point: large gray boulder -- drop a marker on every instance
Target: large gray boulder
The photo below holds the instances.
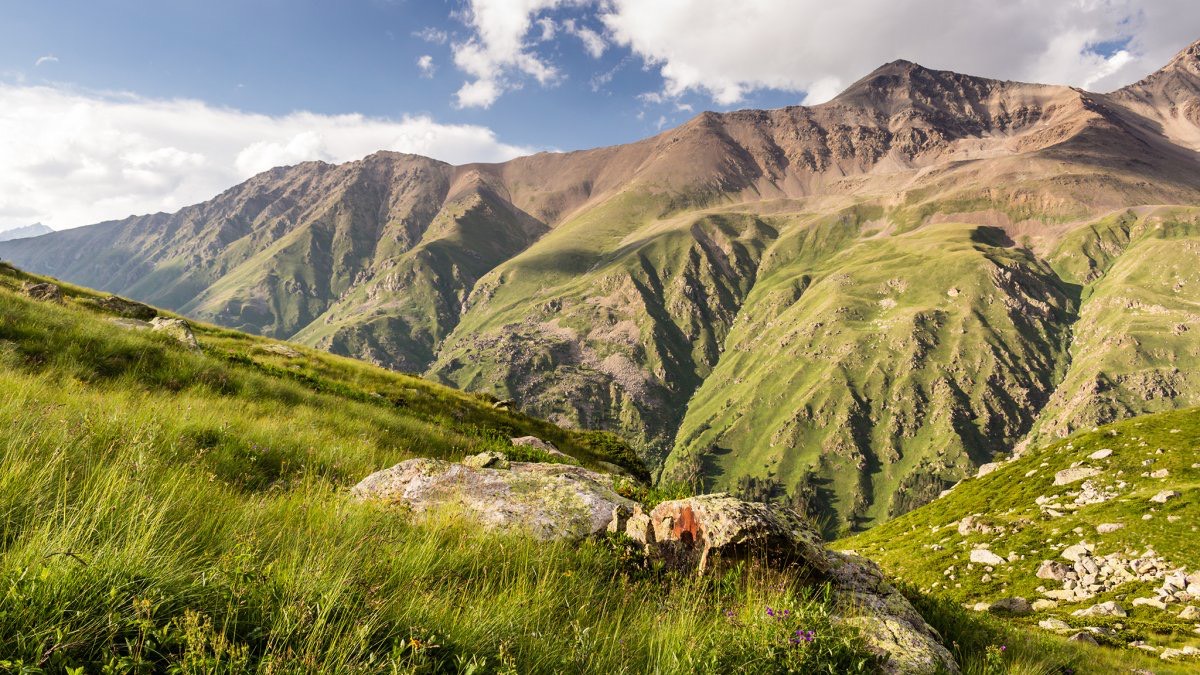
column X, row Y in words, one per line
column 708, row 531
column 176, row 328
column 549, row 501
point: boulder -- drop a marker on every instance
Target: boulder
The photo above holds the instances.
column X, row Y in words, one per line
column 696, row 532
column 890, row 625
column 982, row 556
column 985, row 469
column 46, row 292
column 1017, row 605
column 127, row 308
column 1149, row 602
column 1068, row 476
column 1084, row 637
column 549, row 501
column 709, row 531
column 1042, row 605
column 1189, row 613
column 1101, row 454
column 1162, row 497
column 538, row 444
column 176, row 328
column 487, row 460
column 1074, row 553
column 1108, row 528
column 1052, row 570
column 1109, row 608
column 1054, row 625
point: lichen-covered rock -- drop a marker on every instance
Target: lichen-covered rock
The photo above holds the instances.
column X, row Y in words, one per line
column 1015, row 605
column 889, row 623
column 549, row 501
column 46, row 292
column 696, row 532
column 176, row 328
column 701, row 531
column 127, row 308
column 487, row 460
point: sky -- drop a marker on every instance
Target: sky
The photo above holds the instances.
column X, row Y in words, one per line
column 110, row 108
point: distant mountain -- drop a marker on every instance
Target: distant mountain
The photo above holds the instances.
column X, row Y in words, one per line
column 849, row 306
column 35, row 230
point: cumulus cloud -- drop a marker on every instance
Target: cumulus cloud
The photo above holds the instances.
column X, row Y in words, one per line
column 70, row 158
column 425, row 65
column 500, row 50
column 592, row 41
column 726, row 49
column 49, row 58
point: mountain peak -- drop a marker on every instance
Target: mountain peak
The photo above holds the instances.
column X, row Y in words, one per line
column 1188, row 59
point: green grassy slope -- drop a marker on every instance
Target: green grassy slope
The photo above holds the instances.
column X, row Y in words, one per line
column 926, row 547
column 164, row 510
column 611, row 319
column 868, row 380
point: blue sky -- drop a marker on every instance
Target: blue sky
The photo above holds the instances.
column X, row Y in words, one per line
column 115, row 107
column 328, row 56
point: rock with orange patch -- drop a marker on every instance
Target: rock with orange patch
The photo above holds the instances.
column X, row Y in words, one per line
column 700, row 531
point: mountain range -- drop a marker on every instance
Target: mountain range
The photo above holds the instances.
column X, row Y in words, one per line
column 849, row 307
column 35, row 230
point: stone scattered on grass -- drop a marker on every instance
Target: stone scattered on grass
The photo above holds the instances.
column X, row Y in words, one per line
column 1074, row 475
column 1162, row 497
column 1108, row 528
column 982, row 556
column 1109, row 608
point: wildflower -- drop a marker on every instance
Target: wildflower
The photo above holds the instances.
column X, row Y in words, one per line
column 770, row 612
column 803, row 636
column 1003, row 648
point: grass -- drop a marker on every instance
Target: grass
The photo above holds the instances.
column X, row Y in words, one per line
column 920, row 546
column 170, row 511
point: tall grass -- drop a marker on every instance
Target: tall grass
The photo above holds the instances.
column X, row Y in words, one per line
column 169, row 511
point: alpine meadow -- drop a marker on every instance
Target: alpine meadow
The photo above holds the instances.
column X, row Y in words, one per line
column 906, row 381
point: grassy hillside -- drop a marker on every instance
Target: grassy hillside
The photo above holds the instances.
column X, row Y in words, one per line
column 167, row 510
column 1017, row 509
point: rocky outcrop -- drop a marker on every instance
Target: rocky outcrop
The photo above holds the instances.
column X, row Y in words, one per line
column 712, row 530
column 46, row 292
column 176, row 328
column 127, row 309
column 549, row 501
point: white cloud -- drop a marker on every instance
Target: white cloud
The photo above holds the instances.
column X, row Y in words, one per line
column 592, row 42
column 499, row 51
column 69, row 158
column 432, row 35
column 425, row 65
column 726, row 49
column 49, row 58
